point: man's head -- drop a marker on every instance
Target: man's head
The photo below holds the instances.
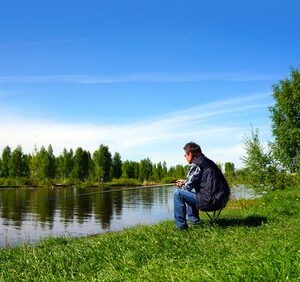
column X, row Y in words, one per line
column 192, row 151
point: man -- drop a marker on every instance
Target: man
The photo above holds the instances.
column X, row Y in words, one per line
column 205, row 188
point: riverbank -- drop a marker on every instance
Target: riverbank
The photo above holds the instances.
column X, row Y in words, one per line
column 13, row 183
column 29, row 183
column 254, row 240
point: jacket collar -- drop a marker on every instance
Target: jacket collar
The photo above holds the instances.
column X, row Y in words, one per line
column 198, row 160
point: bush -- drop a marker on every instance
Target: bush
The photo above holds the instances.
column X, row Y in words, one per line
column 126, row 181
column 168, row 179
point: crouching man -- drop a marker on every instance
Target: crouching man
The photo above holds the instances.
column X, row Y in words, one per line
column 204, row 189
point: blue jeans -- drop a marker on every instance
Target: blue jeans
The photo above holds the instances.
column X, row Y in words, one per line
column 185, row 203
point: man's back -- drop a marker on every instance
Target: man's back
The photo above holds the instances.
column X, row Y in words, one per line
column 213, row 192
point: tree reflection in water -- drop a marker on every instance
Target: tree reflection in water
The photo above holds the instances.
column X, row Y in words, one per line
column 35, row 213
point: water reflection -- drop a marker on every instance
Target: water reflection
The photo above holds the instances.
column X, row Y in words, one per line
column 243, row 192
column 27, row 215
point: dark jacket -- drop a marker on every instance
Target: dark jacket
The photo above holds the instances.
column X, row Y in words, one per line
column 213, row 192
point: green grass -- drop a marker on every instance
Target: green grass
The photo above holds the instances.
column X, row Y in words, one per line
column 254, row 240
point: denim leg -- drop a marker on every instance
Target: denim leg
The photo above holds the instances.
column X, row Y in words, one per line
column 181, row 199
column 193, row 214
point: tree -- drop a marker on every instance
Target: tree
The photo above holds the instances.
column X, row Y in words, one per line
column 128, row 170
column 159, row 171
column 171, row 172
column 50, row 163
column 286, row 121
column 43, row 164
column 6, row 155
column 256, row 159
column 145, row 169
column 229, row 170
column 18, row 165
column 82, row 163
column 102, row 161
column 116, row 166
column 34, row 164
column 179, row 172
column 65, row 164
column 164, row 170
column 136, row 169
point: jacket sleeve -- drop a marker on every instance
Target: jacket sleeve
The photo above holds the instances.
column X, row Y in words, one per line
column 193, row 178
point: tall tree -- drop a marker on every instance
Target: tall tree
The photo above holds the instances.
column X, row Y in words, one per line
column 164, row 170
column 145, row 169
column 286, row 121
column 50, row 163
column 116, row 166
column 18, row 166
column 179, row 171
column 6, row 155
column 256, row 160
column 82, row 162
column 34, row 164
column 136, row 169
column 43, row 163
column 128, row 170
column 229, row 170
column 154, row 175
column 102, row 161
column 159, row 171
column 65, row 164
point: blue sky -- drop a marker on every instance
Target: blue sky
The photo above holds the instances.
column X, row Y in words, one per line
column 143, row 77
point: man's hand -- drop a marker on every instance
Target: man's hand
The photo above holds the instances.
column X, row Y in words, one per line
column 179, row 182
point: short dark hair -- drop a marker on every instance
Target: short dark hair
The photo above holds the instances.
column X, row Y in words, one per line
column 193, row 148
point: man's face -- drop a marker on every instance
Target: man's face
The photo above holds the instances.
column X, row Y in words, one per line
column 188, row 157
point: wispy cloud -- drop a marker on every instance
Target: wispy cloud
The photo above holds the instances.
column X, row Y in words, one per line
column 160, row 139
column 140, row 77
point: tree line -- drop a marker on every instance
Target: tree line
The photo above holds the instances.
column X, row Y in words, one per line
column 81, row 165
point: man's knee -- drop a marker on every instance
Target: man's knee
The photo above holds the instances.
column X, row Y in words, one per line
column 177, row 193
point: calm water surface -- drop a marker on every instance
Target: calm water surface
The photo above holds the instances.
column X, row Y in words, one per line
column 27, row 215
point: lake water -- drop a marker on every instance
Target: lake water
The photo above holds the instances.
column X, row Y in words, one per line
column 27, row 215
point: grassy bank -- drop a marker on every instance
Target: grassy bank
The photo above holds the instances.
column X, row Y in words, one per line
column 254, row 240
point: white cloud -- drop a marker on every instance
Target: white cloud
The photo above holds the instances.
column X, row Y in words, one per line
column 139, row 77
column 160, row 139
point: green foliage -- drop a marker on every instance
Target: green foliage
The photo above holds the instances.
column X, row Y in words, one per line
column 18, row 164
column 178, row 171
column 125, row 182
column 158, row 172
column 116, row 166
column 65, row 164
column 82, row 164
column 286, row 121
column 128, row 170
column 261, row 168
column 6, row 154
column 256, row 160
column 15, row 182
column 229, row 171
column 164, row 170
column 102, row 162
column 168, row 179
column 145, row 169
column 43, row 164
